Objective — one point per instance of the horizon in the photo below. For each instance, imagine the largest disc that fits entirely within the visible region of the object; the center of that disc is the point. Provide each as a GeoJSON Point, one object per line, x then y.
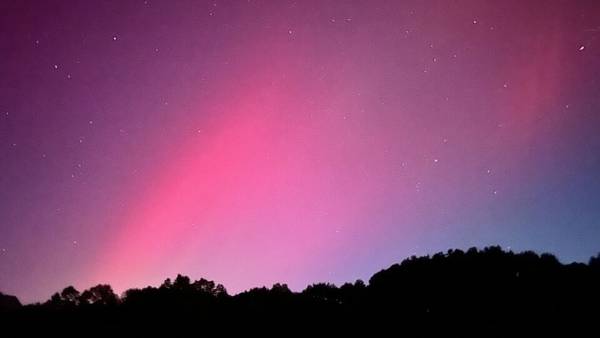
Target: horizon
{"type": "Point", "coordinates": [253, 142]}
{"type": "Point", "coordinates": [120, 293]}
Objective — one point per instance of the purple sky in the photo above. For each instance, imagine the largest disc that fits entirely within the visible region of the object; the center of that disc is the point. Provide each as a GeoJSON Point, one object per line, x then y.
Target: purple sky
{"type": "Point", "coordinates": [253, 142]}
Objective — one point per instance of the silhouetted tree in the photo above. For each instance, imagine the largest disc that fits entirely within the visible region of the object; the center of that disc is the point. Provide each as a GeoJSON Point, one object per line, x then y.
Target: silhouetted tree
{"type": "Point", "coordinates": [101, 294]}
{"type": "Point", "coordinates": [9, 303]}
{"type": "Point", "coordinates": [594, 261]}
{"type": "Point", "coordinates": [70, 295]}
{"type": "Point", "coordinates": [181, 282]}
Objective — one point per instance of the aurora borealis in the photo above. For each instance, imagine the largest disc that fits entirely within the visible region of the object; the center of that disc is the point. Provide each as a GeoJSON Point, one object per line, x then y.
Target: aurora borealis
{"type": "Point", "coordinates": [254, 142]}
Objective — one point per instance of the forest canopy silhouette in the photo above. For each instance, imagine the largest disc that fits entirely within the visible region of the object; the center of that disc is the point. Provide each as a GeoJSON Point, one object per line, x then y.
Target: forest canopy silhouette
{"type": "Point", "coordinates": [490, 285]}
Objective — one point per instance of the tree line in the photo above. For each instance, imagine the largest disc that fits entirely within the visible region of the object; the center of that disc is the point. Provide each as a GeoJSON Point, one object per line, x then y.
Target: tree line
{"type": "Point", "coordinates": [489, 287]}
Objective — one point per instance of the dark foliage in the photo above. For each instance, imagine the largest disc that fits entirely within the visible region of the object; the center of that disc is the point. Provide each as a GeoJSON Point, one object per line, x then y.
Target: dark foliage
{"type": "Point", "coordinates": [8, 303]}
{"type": "Point", "coordinates": [488, 288]}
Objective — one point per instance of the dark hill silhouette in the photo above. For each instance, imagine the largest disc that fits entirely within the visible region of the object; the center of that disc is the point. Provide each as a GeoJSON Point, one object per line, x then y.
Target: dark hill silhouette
{"type": "Point", "coordinates": [488, 288]}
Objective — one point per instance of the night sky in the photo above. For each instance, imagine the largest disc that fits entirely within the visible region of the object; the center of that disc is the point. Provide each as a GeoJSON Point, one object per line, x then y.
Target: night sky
{"type": "Point", "coordinates": [253, 142]}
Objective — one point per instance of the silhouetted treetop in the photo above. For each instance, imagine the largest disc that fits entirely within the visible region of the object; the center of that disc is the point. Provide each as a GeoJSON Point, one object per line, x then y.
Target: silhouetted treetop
{"type": "Point", "coordinates": [9, 303]}
{"type": "Point", "coordinates": [488, 285]}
